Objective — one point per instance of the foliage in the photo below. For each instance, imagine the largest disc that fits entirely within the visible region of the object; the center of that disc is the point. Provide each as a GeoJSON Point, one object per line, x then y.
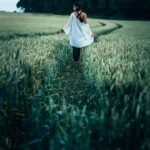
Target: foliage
{"type": "Point", "coordinates": [103, 8]}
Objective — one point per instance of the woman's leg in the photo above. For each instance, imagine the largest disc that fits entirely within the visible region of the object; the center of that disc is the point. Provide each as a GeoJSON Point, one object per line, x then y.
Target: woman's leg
{"type": "Point", "coordinates": [76, 53]}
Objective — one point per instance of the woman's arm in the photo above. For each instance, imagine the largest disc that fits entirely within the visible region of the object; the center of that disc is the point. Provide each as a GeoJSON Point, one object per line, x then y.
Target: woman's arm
{"type": "Point", "coordinates": [66, 28]}
{"type": "Point", "coordinates": [84, 17]}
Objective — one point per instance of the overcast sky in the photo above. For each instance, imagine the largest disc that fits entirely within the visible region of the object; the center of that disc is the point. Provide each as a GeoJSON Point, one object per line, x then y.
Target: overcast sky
{"type": "Point", "coordinates": [8, 5]}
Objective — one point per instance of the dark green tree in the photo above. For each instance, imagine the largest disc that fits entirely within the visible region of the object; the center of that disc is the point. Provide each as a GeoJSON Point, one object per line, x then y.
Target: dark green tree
{"type": "Point", "coordinates": [107, 8]}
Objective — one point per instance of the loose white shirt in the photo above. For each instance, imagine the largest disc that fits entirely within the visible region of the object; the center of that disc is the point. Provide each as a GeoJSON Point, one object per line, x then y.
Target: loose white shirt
{"type": "Point", "coordinates": [80, 34]}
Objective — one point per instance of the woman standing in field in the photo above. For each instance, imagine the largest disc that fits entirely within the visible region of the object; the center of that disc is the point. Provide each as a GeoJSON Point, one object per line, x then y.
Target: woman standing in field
{"type": "Point", "coordinates": [78, 30]}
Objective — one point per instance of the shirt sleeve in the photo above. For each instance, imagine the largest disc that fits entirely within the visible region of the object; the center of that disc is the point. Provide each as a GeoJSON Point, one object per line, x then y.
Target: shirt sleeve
{"type": "Point", "coordinates": [67, 27]}
{"type": "Point", "coordinates": [87, 29]}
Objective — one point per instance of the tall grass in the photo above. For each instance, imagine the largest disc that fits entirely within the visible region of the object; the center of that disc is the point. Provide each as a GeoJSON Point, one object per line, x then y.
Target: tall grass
{"type": "Point", "coordinates": [48, 103]}
{"type": "Point", "coordinates": [118, 68]}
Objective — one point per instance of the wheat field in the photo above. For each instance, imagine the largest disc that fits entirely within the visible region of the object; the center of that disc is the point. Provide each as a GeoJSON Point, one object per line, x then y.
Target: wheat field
{"type": "Point", "coordinates": [47, 102]}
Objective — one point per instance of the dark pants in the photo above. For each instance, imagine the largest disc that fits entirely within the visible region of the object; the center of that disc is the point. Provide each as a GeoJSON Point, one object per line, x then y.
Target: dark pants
{"type": "Point", "coordinates": [76, 53]}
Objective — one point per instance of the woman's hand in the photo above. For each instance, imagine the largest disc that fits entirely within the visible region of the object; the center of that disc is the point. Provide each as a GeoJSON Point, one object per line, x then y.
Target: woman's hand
{"type": "Point", "coordinates": [60, 31]}
{"type": "Point", "coordinates": [93, 34]}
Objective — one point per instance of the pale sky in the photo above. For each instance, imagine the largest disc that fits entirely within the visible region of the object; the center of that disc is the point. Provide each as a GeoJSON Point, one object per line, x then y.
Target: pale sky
{"type": "Point", "coordinates": [8, 5]}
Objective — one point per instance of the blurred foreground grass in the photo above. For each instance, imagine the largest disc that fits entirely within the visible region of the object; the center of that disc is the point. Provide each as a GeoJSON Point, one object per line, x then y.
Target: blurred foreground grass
{"type": "Point", "coordinates": [46, 102]}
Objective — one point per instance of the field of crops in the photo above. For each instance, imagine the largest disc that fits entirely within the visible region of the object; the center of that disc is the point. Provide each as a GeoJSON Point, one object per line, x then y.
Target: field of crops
{"type": "Point", "coordinates": [48, 102]}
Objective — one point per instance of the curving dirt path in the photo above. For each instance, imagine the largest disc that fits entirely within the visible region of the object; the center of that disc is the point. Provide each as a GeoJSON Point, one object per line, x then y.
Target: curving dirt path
{"type": "Point", "coordinates": [73, 86]}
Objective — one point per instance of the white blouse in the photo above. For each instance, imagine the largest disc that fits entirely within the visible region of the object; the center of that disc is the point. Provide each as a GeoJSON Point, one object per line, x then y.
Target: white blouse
{"type": "Point", "coordinates": [80, 34]}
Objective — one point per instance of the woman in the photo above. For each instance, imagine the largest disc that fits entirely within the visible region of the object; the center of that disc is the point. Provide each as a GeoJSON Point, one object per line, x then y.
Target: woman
{"type": "Point", "coordinates": [78, 30]}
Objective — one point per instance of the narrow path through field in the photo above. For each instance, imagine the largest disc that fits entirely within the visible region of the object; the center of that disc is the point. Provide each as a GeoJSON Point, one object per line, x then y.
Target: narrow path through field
{"type": "Point", "coordinates": [102, 26]}
{"type": "Point", "coordinates": [73, 85]}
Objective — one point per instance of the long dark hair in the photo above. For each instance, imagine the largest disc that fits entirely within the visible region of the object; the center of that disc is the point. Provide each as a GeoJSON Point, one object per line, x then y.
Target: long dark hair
{"type": "Point", "coordinates": [78, 4]}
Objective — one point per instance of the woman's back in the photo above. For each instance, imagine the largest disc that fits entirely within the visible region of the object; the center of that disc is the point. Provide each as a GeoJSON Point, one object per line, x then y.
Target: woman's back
{"type": "Point", "coordinates": [82, 16]}
{"type": "Point", "coordinates": [79, 33]}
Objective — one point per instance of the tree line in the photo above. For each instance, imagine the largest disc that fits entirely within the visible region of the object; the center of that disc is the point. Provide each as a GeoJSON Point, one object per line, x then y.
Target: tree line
{"type": "Point", "coordinates": [138, 9]}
